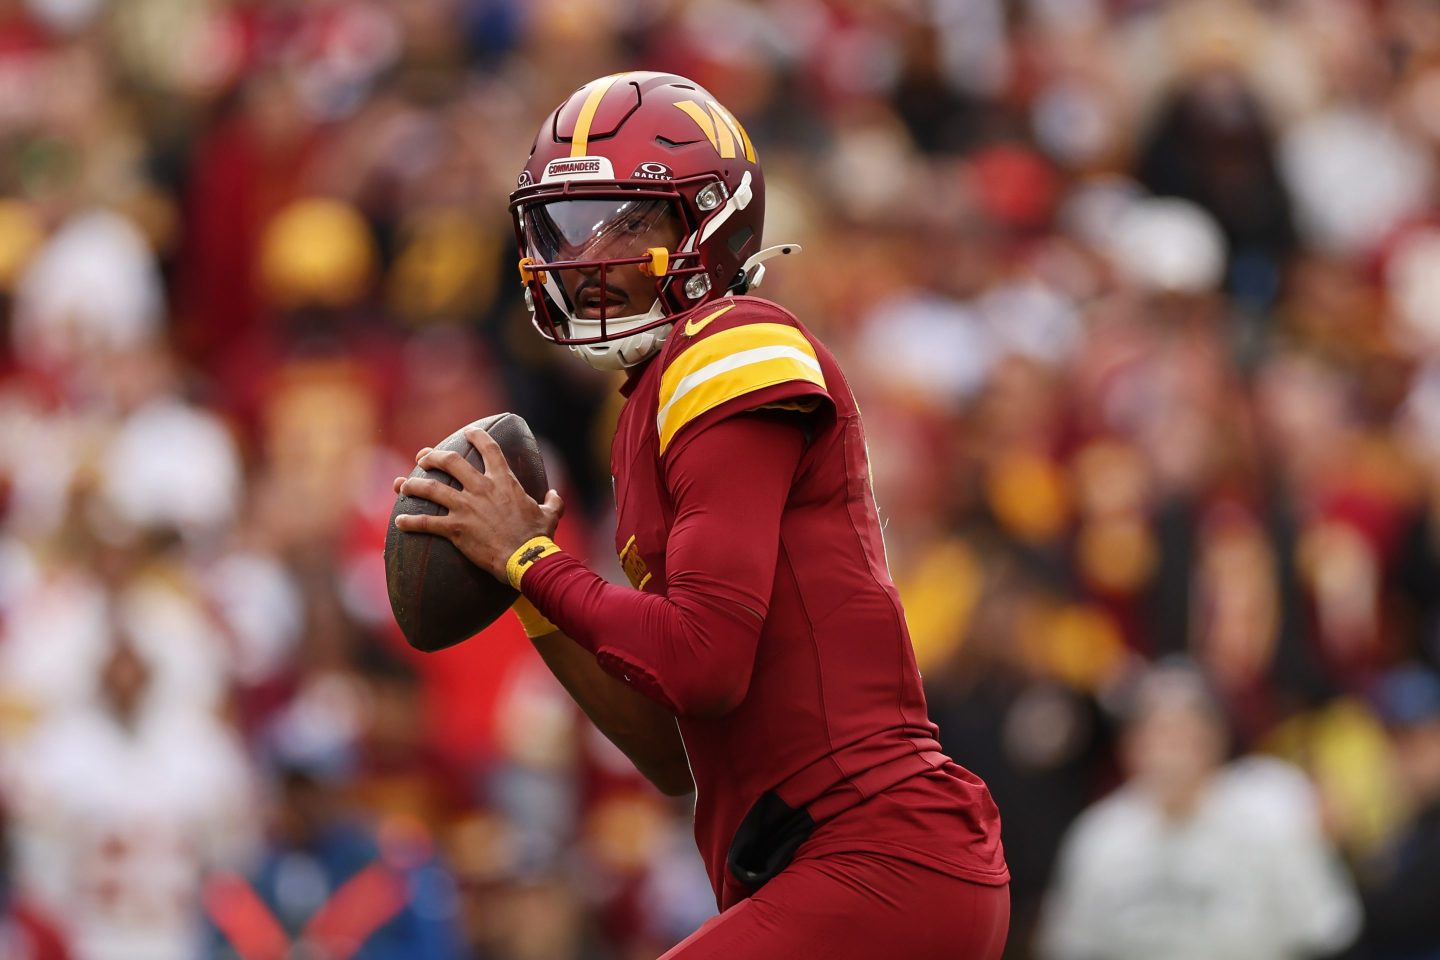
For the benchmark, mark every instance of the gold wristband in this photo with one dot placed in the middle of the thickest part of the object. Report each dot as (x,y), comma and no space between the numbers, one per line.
(531,619)
(523,558)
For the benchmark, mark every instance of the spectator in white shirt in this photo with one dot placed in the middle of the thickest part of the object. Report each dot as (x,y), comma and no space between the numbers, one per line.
(1194,858)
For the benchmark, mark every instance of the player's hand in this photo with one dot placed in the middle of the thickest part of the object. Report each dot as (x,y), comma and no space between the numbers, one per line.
(399,481)
(490,516)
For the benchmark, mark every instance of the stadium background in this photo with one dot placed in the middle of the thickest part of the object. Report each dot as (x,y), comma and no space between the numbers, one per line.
(1139,299)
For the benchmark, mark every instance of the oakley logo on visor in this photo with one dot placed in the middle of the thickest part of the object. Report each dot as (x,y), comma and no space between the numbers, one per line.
(579,168)
(652,170)
(525,179)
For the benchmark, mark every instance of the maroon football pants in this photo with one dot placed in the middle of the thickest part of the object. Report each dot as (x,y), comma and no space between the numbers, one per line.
(857,906)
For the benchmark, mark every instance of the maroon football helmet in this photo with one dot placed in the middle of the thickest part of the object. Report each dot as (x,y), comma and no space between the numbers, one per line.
(635,172)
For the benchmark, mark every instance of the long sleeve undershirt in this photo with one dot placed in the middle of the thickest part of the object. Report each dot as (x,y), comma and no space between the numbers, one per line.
(693,649)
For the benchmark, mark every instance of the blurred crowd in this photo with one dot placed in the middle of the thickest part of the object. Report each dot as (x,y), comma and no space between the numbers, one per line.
(1141,299)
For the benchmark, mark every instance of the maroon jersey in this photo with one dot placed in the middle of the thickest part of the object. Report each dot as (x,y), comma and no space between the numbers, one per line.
(828,722)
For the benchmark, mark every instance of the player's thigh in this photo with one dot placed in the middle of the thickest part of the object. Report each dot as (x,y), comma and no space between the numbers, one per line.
(857,907)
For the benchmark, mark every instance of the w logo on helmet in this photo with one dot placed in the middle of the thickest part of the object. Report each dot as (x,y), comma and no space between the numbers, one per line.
(719,126)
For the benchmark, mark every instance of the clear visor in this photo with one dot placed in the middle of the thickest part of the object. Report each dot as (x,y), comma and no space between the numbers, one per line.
(599,229)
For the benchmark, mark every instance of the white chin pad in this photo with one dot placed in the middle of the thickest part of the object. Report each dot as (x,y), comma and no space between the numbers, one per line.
(621,350)
(639,347)
(625,352)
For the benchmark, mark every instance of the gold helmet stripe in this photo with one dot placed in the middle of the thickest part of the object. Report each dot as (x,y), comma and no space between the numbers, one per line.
(735,124)
(702,120)
(580,142)
(727,135)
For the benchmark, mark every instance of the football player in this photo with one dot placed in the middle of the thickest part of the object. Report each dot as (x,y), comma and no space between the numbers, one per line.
(762,658)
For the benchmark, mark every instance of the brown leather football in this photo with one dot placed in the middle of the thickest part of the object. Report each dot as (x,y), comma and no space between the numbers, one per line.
(438,596)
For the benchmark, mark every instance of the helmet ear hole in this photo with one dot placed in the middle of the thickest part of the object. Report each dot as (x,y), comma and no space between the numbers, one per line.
(740,239)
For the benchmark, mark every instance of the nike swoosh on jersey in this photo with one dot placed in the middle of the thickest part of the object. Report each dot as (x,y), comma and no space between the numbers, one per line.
(693,327)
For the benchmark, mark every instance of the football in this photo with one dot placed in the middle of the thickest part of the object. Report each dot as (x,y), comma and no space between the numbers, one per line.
(438,596)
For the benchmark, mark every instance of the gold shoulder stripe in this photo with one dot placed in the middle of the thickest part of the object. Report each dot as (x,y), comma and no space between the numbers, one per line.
(580,141)
(730,364)
(723,346)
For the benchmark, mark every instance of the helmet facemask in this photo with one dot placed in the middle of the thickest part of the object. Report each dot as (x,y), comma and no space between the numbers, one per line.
(598,267)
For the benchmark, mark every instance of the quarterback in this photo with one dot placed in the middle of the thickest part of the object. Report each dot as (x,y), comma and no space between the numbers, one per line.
(761,658)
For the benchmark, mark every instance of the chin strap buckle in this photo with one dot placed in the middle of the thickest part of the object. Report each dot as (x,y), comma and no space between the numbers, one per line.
(753,269)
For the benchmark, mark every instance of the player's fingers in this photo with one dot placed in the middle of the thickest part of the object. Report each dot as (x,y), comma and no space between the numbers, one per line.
(457,466)
(432,490)
(421,454)
(553,506)
(490,452)
(396,485)
(423,523)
